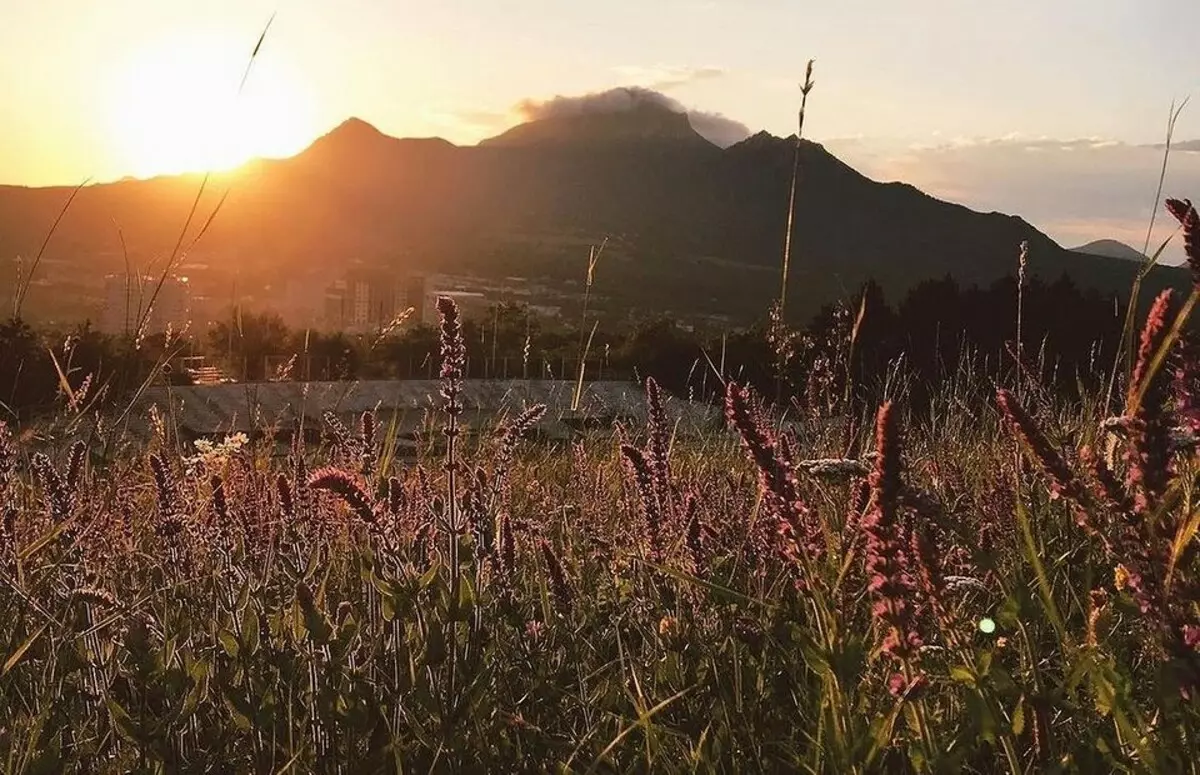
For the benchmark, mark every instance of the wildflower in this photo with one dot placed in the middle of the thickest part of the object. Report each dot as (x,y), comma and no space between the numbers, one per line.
(75,467)
(928,562)
(1185,213)
(557,577)
(57,497)
(694,536)
(219,503)
(860,498)
(1062,482)
(800,534)
(643,478)
(454,355)
(889,578)
(347,487)
(1120,577)
(77,399)
(671,631)
(96,596)
(1149,450)
(1186,387)
(283,488)
(8,455)
(395,497)
(506,549)
(1110,492)
(8,527)
(366,442)
(511,436)
(659,445)
(213,456)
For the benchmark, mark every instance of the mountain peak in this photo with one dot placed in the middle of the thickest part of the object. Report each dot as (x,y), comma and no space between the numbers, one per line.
(642,122)
(356,129)
(1111,248)
(356,140)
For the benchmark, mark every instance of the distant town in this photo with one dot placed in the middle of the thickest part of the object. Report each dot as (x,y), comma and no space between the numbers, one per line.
(362,299)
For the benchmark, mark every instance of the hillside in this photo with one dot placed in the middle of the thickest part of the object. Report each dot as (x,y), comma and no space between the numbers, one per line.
(692,229)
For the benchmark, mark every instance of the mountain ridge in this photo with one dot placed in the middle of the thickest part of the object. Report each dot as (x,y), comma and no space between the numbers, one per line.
(679,213)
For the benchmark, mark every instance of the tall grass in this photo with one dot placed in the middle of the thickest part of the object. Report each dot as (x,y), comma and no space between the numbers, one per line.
(636,601)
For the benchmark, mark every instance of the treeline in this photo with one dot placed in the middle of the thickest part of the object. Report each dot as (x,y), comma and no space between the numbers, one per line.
(938,333)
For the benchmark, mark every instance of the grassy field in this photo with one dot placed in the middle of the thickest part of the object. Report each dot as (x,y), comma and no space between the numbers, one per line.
(1003,584)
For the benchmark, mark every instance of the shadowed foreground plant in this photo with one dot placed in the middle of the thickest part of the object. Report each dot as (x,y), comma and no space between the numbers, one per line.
(1145,528)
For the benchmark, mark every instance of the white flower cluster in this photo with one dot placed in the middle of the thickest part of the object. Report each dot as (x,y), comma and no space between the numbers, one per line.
(210,456)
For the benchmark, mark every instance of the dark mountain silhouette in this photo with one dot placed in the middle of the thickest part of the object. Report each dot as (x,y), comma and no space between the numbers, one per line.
(692,228)
(644,123)
(1111,248)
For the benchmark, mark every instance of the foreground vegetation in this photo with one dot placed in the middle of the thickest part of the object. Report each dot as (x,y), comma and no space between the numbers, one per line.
(1003,584)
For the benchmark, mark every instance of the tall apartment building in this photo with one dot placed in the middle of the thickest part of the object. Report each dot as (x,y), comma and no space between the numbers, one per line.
(126,299)
(368,299)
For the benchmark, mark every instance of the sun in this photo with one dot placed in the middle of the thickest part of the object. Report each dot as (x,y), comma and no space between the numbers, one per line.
(176,107)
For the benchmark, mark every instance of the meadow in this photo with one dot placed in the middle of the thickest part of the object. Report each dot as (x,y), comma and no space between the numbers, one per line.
(1005,583)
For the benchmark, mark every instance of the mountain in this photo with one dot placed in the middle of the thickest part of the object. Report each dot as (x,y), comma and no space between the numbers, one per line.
(691,229)
(1111,248)
(645,123)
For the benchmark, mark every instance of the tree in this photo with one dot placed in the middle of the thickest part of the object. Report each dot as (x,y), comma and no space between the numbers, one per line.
(246,341)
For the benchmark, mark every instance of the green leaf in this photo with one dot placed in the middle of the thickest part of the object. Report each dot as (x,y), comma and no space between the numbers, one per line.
(250,630)
(15,657)
(387,606)
(466,597)
(315,622)
(121,721)
(1033,555)
(963,675)
(429,577)
(1008,615)
(240,719)
(881,733)
(192,700)
(435,644)
(983,662)
(229,642)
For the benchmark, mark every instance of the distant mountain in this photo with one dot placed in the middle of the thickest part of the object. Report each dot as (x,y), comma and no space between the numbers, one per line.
(692,229)
(645,123)
(1111,248)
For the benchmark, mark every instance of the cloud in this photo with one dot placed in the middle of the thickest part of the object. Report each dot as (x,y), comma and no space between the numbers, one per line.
(665,77)
(718,129)
(714,127)
(1075,189)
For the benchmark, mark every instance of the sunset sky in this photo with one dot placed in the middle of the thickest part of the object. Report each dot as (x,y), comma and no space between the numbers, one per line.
(1046,109)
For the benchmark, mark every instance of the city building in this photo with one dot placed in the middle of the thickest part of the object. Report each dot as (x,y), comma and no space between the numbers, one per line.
(129,299)
(367,299)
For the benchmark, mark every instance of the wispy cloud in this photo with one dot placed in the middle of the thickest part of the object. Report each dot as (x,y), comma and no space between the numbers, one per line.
(666,77)
(715,127)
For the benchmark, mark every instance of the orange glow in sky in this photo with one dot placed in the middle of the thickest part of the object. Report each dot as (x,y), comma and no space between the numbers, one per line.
(176,107)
